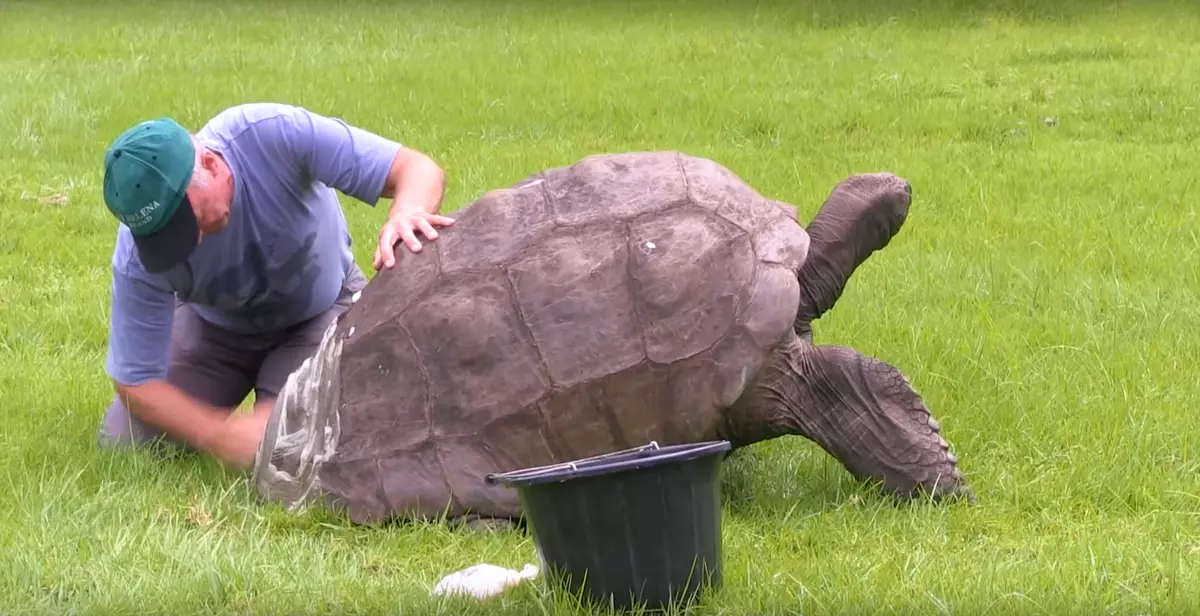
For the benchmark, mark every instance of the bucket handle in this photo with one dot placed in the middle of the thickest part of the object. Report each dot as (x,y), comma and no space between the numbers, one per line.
(573,465)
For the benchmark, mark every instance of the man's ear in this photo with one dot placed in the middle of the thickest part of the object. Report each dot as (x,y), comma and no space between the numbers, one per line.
(208,160)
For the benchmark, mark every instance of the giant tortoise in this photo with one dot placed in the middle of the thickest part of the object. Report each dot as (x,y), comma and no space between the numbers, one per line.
(595,307)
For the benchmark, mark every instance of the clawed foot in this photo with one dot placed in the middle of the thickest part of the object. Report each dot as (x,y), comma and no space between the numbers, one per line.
(475,523)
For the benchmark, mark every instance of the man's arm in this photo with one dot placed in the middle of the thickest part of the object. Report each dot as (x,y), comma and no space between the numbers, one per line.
(138,355)
(165,407)
(369,167)
(414,181)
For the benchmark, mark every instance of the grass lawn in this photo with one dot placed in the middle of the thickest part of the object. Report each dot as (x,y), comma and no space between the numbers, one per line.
(1043,294)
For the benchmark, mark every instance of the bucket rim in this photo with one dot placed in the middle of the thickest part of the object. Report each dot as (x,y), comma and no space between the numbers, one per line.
(636,458)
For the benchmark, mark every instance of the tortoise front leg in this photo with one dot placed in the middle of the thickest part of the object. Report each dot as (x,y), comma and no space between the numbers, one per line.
(862,411)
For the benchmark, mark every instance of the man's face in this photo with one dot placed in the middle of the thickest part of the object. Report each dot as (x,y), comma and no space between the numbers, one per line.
(211,193)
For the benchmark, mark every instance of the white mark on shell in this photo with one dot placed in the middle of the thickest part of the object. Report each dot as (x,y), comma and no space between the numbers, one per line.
(647,247)
(351,332)
(354,298)
(533,183)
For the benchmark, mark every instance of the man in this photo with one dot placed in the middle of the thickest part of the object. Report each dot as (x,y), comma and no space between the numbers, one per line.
(232,258)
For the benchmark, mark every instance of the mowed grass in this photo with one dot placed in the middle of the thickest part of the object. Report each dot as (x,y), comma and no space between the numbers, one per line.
(1042,295)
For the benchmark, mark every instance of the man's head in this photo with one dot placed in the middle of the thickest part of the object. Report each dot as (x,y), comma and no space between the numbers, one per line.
(168,189)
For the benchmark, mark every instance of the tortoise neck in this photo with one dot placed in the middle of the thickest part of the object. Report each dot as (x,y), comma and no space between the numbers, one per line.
(771,406)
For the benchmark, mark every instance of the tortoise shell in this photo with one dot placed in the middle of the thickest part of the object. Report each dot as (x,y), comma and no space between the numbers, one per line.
(594,307)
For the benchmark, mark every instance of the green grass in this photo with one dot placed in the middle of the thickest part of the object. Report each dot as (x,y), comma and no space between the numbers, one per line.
(1043,294)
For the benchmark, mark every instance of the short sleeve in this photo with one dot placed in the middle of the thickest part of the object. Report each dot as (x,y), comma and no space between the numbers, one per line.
(139,337)
(345,157)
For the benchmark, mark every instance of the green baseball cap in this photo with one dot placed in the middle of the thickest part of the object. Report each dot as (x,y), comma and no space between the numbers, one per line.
(146,174)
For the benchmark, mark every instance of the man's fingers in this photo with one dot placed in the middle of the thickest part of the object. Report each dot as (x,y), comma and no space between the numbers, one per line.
(405,230)
(427,228)
(386,240)
(410,238)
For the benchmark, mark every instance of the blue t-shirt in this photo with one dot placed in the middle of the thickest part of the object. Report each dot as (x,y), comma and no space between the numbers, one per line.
(285,253)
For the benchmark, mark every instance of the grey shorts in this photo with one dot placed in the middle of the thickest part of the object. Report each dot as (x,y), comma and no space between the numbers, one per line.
(221,368)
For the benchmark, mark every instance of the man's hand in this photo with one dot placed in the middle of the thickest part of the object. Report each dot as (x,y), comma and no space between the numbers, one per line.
(240,435)
(414,184)
(402,226)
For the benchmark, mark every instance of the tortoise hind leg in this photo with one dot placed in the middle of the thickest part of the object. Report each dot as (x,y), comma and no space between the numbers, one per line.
(860,216)
(862,411)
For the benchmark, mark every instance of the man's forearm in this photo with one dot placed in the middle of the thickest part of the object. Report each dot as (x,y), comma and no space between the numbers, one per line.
(167,408)
(415,181)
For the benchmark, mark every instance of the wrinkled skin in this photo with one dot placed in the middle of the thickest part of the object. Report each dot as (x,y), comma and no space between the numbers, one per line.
(625,299)
(844,401)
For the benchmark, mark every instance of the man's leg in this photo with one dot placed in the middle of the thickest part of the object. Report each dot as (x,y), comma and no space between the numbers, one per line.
(300,343)
(205,364)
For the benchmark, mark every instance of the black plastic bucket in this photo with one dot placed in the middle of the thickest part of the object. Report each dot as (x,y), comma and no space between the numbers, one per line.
(639,527)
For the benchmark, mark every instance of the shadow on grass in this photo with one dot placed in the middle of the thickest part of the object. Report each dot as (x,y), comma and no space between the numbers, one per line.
(779,479)
(786,476)
(771,482)
(791,477)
